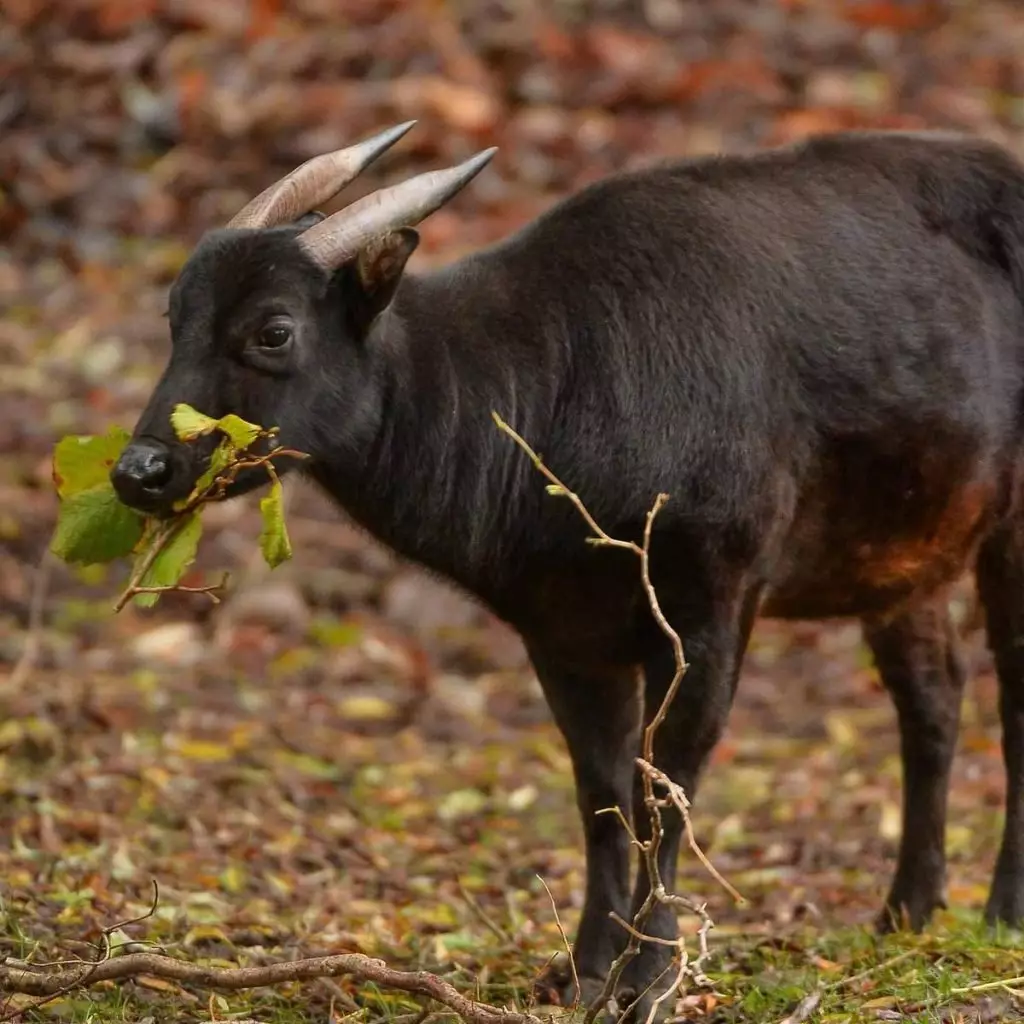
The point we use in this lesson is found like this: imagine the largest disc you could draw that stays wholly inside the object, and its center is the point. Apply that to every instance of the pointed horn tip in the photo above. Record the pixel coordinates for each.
(475, 164)
(389, 136)
(375, 146)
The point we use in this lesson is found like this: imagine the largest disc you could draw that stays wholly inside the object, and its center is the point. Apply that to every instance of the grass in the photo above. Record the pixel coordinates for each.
(946, 974)
(957, 971)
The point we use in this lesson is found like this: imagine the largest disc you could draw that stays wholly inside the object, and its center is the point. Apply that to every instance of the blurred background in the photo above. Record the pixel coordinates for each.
(345, 734)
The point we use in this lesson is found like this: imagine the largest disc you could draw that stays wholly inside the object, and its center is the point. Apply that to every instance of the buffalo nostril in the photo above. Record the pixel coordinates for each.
(154, 469)
(141, 472)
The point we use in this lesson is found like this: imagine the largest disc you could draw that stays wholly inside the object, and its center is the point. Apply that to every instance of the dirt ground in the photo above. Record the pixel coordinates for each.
(346, 754)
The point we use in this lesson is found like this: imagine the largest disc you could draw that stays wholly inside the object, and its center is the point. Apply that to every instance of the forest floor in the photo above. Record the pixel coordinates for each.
(346, 755)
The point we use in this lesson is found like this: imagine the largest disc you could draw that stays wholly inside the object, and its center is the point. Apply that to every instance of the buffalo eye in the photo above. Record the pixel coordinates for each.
(275, 334)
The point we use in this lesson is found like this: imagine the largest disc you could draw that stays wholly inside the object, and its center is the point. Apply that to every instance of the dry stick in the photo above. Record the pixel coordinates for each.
(211, 590)
(362, 967)
(632, 929)
(488, 922)
(51, 985)
(649, 848)
(677, 984)
(670, 990)
(69, 979)
(810, 1002)
(565, 942)
(985, 986)
(682, 804)
(867, 972)
(163, 537)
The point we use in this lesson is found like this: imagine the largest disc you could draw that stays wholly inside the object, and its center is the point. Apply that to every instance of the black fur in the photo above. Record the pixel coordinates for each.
(817, 351)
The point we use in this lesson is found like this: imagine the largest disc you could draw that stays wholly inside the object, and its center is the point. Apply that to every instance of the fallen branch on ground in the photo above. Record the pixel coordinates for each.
(69, 978)
(30, 980)
(156, 965)
(74, 974)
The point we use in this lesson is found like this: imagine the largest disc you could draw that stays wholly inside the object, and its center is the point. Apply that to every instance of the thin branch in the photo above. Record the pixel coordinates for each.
(565, 941)
(488, 922)
(617, 811)
(211, 590)
(985, 986)
(682, 805)
(164, 535)
(860, 975)
(61, 982)
(656, 939)
(677, 984)
(629, 1012)
(561, 490)
(364, 968)
(673, 636)
(650, 848)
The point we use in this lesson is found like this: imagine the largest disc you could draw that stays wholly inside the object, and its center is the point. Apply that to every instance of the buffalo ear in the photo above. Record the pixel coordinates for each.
(380, 264)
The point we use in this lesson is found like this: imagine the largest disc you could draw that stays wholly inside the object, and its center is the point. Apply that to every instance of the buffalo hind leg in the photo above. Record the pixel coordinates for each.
(918, 659)
(1001, 588)
(686, 737)
(598, 714)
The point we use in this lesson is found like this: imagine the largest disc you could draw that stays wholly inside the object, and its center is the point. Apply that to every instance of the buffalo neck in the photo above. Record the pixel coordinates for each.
(434, 478)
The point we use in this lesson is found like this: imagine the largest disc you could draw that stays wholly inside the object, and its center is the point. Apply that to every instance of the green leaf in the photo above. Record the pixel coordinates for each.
(274, 542)
(189, 424)
(173, 561)
(93, 526)
(222, 456)
(82, 461)
(241, 432)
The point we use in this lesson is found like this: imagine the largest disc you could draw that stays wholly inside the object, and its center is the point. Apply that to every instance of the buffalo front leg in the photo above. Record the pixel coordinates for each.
(1001, 587)
(918, 659)
(598, 713)
(686, 737)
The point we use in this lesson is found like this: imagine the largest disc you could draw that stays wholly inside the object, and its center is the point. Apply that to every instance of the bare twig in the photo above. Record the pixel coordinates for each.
(561, 490)
(682, 804)
(36, 607)
(986, 986)
(164, 535)
(133, 965)
(228, 475)
(49, 985)
(212, 590)
(632, 929)
(488, 922)
(861, 975)
(68, 979)
(565, 942)
(677, 984)
(649, 848)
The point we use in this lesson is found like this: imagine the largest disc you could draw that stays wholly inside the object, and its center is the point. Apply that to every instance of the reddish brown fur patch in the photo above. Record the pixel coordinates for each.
(937, 556)
(833, 570)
